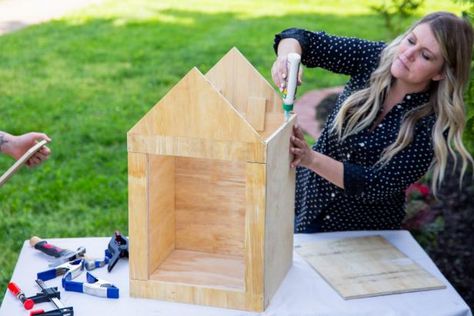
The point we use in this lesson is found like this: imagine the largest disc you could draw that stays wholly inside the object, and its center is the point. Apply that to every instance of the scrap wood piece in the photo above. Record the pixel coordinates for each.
(366, 266)
(20, 162)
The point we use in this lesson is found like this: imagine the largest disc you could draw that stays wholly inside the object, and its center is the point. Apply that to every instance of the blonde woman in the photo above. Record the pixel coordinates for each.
(400, 114)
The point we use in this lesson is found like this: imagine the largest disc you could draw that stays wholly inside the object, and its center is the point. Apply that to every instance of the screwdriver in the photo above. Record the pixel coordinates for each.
(15, 289)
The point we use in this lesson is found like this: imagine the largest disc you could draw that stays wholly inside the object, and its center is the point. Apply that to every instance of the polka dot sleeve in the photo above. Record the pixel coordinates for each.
(376, 183)
(343, 55)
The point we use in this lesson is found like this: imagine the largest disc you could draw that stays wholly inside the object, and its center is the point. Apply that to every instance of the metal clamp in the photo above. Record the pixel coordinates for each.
(91, 264)
(52, 295)
(74, 268)
(78, 254)
(94, 286)
(98, 287)
(117, 248)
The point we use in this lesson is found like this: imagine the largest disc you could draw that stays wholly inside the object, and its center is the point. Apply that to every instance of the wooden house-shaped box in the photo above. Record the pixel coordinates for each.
(211, 192)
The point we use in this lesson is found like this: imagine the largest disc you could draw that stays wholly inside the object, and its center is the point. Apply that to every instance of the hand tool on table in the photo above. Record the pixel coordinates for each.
(28, 303)
(118, 248)
(21, 161)
(61, 255)
(45, 295)
(93, 286)
(49, 294)
(290, 89)
(65, 255)
(70, 271)
(74, 268)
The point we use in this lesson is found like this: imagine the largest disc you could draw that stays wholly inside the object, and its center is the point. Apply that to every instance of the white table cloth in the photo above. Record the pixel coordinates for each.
(302, 293)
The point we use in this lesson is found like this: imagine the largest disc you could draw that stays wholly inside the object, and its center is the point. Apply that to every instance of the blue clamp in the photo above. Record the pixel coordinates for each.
(74, 268)
(117, 248)
(90, 264)
(94, 286)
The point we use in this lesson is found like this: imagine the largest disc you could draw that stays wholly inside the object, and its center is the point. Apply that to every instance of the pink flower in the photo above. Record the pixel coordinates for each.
(418, 188)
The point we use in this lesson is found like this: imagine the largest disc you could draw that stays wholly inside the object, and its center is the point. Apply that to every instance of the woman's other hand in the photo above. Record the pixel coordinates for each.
(303, 155)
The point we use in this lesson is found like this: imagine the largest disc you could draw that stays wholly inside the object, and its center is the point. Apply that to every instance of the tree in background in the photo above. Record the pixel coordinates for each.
(468, 136)
(396, 12)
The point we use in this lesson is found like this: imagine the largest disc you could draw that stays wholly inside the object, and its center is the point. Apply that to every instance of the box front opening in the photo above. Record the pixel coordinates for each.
(200, 230)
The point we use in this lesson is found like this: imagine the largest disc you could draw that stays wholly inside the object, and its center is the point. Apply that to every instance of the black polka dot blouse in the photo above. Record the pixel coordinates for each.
(373, 197)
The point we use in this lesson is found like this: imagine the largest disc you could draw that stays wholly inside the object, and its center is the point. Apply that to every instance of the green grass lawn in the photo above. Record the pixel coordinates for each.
(86, 79)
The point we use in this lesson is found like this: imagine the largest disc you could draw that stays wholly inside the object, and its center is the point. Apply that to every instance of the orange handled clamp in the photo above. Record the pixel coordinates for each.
(15, 289)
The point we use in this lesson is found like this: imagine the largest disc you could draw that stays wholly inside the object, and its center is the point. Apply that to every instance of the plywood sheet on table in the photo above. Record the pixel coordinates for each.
(366, 266)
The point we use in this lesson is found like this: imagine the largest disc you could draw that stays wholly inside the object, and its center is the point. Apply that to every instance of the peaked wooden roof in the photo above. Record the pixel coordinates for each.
(194, 108)
(236, 78)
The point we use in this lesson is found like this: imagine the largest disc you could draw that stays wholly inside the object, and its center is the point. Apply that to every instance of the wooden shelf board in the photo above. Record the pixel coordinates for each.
(202, 269)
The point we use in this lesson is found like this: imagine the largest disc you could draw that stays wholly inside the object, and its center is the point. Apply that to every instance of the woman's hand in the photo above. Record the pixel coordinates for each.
(303, 155)
(16, 146)
(280, 72)
(280, 66)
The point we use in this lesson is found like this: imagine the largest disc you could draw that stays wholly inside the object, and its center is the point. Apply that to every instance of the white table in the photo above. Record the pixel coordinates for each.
(302, 293)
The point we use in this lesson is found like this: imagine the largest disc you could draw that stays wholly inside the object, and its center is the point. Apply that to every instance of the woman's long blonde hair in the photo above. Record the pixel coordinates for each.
(359, 111)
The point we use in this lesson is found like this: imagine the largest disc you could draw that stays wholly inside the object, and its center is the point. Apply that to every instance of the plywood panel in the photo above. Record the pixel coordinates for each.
(256, 113)
(202, 269)
(195, 109)
(196, 147)
(273, 122)
(366, 266)
(189, 294)
(138, 215)
(162, 216)
(254, 234)
(238, 80)
(279, 216)
(210, 205)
